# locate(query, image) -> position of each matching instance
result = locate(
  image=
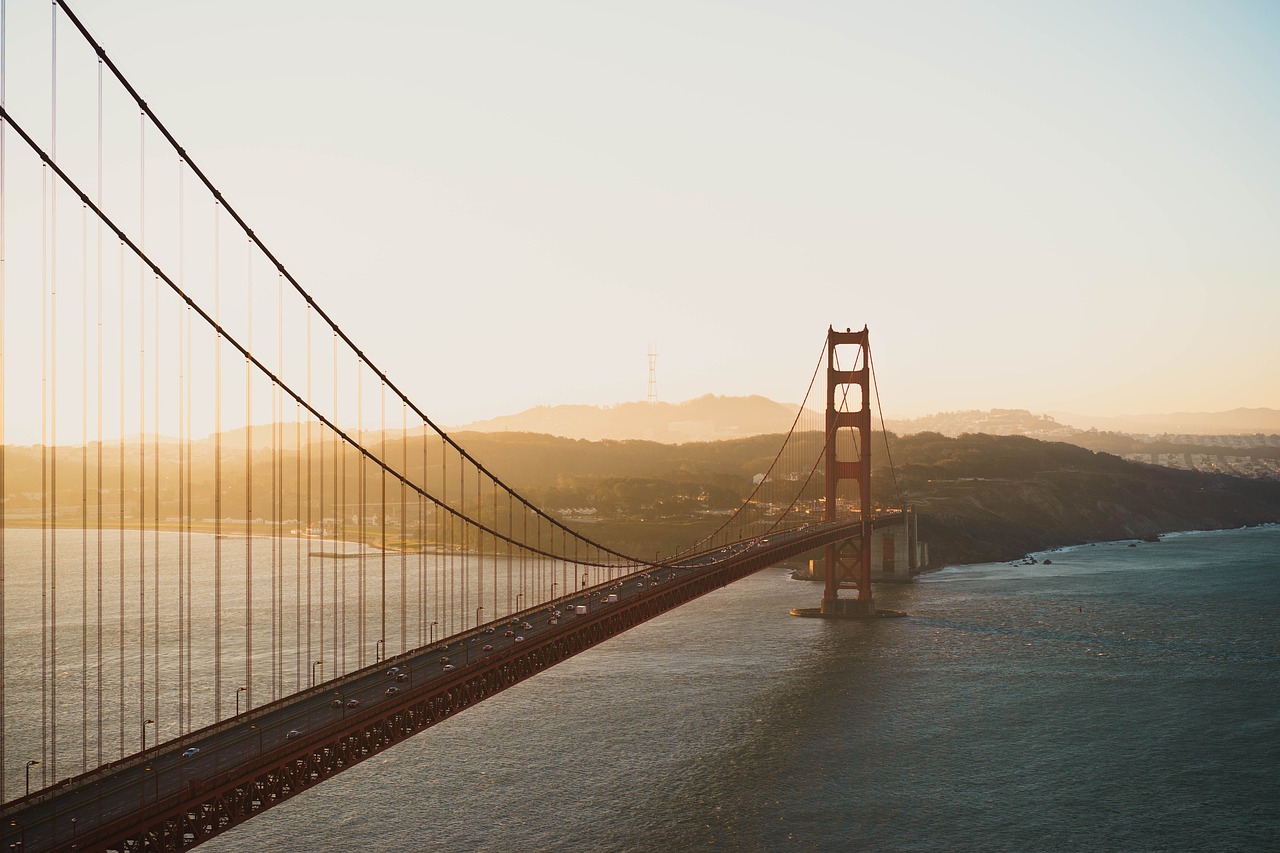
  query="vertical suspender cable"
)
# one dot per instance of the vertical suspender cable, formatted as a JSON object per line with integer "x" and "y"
{"x": 84, "y": 488}
{"x": 51, "y": 772}
{"x": 438, "y": 604}
{"x": 248, "y": 486}
{"x": 310, "y": 434}
{"x": 4, "y": 47}
{"x": 339, "y": 507}
{"x": 44, "y": 473}
{"x": 382, "y": 481}
{"x": 382, "y": 526}
{"x": 217, "y": 462}
{"x": 98, "y": 398}
{"x": 360, "y": 531}
{"x": 142, "y": 424}
{"x": 183, "y": 508}
{"x": 298, "y": 538}
{"x": 445, "y": 526}
{"x": 277, "y": 506}
{"x": 404, "y": 521}
{"x": 510, "y": 562}
{"x": 120, "y": 511}
{"x": 187, "y": 451}
{"x": 155, "y": 504}
{"x": 494, "y": 487}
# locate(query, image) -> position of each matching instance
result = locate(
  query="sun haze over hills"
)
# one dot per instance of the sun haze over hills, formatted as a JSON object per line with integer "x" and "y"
{"x": 705, "y": 418}
{"x": 717, "y": 418}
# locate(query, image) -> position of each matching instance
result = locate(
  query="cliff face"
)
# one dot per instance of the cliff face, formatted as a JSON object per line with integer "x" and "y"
{"x": 987, "y": 498}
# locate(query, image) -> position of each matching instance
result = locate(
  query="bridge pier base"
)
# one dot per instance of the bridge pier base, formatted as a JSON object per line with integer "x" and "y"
{"x": 847, "y": 608}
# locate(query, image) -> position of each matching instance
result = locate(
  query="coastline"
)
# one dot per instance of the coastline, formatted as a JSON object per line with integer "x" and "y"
{"x": 1039, "y": 554}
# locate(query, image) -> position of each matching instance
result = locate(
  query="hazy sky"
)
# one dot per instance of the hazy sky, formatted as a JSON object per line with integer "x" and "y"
{"x": 1054, "y": 206}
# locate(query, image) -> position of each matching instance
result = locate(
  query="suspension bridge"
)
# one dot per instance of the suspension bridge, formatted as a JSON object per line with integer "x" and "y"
{"x": 235, "y": 558}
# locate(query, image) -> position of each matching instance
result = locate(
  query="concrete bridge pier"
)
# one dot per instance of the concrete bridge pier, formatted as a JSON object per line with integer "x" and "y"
{"x": 848, "y": 608}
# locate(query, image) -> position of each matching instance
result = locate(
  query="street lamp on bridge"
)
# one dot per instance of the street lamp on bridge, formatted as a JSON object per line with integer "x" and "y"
{"x": 479, "y": 610}
{"x": 378, "y": 648}
{"x": 146, "y": 723}
{"x": 313, "y": 671}
{"x": 30, "y": 764}
{"x": 432, "y": 634}
{"x": 584, "y": 580}
{"x": 239, "y": 690}
{"x": 519, "y": 598}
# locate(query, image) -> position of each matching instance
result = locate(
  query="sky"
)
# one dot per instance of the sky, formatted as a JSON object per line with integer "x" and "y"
{"x": 1051, "y": 206}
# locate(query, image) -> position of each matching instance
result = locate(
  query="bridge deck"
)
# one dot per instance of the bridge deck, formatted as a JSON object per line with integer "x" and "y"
{"x": 187, "y": 790}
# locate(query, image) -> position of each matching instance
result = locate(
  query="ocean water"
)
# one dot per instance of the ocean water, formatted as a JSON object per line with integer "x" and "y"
{"x": 1120, "y": 699}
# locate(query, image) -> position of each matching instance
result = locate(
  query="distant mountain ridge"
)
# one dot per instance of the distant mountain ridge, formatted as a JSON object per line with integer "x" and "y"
{"x": 1234, "y": 422}
{"x": 718, "y": 418}
{"x": 705, "y": 418}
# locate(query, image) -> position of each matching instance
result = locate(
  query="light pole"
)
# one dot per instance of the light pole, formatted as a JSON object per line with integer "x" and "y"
{"x": 519, "y": 598}
{"x": 377, "y": 650}
{"x": 479, "y": 610}
{"x": 254, "y": 727}
{"x": 146, "y": 723}
{"x": 239, "y": 690}
{"x": 30, "y": 764}
{"x": 553, "y": 589}
{"x": 432, "y": 629}
{"x": 584, "y": 580}
{"x": 313, "y": 671}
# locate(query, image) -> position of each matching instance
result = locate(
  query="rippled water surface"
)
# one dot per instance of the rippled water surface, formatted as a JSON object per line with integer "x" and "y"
{"x": 1119, "y": 699}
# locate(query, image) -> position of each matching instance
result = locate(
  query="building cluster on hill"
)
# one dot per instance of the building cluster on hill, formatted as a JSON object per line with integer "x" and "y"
{"x": 1214, "y": 463}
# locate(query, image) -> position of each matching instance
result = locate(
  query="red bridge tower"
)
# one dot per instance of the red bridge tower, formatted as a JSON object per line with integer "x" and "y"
{"x": 848, "y": 563}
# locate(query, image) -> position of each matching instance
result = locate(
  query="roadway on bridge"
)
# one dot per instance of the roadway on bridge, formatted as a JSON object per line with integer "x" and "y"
{"x": 124, "y": 788}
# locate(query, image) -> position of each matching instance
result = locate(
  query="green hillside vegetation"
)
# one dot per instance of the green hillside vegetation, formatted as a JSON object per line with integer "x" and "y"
{"x": 980, "y": 497}
{"x": 984, "y": 497}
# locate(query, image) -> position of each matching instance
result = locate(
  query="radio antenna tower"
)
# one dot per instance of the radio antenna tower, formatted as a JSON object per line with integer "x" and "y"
{"x": 653, "y": 373}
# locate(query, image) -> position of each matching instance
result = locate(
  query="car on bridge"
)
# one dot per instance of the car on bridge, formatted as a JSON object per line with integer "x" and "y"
{"x": 353, "y": 703}
{"x": 190, "y": 752}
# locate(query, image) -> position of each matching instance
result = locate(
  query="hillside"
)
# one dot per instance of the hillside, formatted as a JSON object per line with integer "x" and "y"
{"x": 987, "y": 498}
{"x": 981, "y": 497}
